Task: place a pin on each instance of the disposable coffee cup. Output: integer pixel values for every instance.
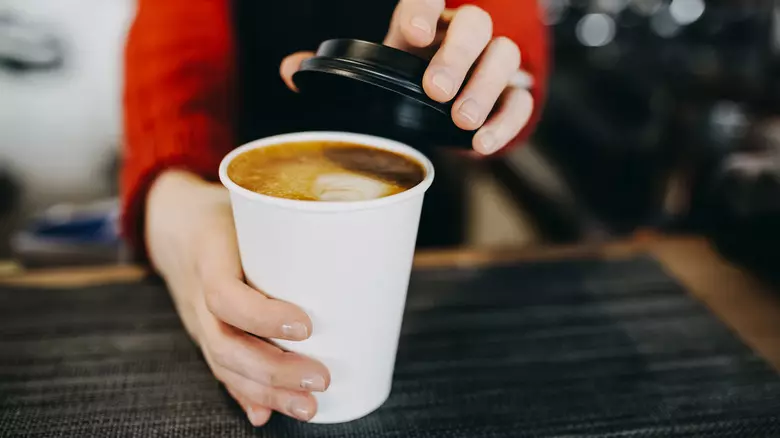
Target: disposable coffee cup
(346, 264)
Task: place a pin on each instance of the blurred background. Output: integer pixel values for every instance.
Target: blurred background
(60, 114)
(661, 116)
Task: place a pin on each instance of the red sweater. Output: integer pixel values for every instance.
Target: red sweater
(179, 79)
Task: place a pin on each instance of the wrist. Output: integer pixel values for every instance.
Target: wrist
(176, 201)
(181, 188)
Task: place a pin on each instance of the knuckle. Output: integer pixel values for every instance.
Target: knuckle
(214, 299)
(462, 53)
(487, 81)
(281, 400)
(263, 397)
(270, 378)
(270, 372)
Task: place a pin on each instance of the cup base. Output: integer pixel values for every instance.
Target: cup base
(337, 419)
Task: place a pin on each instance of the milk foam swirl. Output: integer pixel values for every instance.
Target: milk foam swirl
(348, 187)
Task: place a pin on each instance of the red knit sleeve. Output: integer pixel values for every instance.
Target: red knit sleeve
(521, 21)
(178, 97)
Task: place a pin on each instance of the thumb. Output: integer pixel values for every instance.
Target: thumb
(292, 64)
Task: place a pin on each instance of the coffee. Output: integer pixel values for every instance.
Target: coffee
(324, 171)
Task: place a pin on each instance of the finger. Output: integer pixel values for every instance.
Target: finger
(515, 108)
(498, 64)
(260, 398)
(468, 35)
(290, 65)
(257, 415)
(414, 23)
(261, 362)
(237, 304)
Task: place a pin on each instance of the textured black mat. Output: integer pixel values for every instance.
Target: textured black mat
(582, 348)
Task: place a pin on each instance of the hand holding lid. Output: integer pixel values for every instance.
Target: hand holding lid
(458, 86)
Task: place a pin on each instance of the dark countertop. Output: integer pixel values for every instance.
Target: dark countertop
(625, 338)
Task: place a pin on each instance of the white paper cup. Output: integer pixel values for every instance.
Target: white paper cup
(346, 264)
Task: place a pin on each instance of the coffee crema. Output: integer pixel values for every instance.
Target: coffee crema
(325, 171)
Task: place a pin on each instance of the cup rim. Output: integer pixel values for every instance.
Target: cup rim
(330, 206)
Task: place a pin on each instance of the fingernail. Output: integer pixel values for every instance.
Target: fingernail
(471, 111)
(421, 24)
(443, 82)
(299, 410)
(313, 383)
(295, 331)
(488, 142)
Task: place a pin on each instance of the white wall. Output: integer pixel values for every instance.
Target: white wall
(59, 130)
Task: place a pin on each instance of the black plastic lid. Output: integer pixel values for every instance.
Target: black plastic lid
(377, 89)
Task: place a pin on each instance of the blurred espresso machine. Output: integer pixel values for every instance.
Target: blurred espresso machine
(666, 114)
